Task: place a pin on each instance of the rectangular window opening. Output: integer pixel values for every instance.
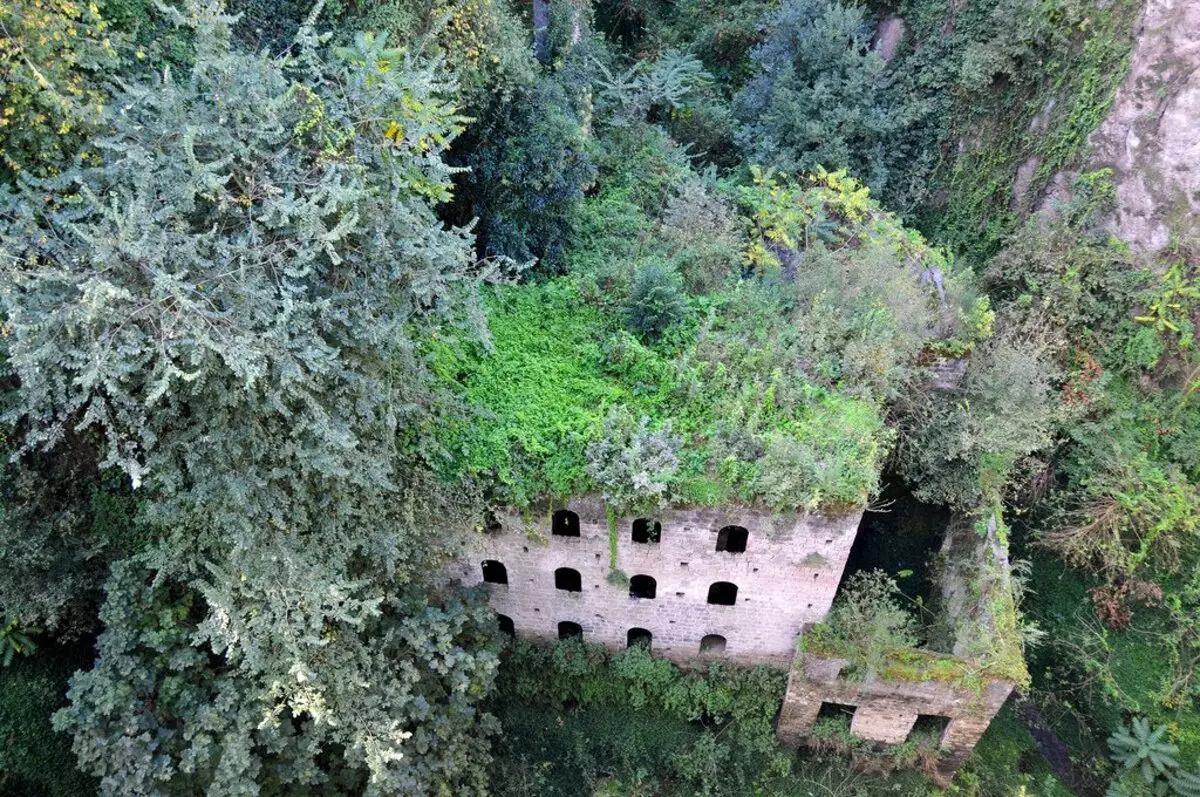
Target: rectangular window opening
(929, 729)
(836, 712)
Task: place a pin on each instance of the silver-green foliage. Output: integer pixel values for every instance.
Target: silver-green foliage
(164, 713)
(631, 463)
(231, 302)
(1150, 763)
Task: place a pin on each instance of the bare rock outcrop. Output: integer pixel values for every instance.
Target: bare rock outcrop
(888, 36)
(1151, 136)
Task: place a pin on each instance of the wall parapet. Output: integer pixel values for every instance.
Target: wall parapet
(887, 711)
(957, 692)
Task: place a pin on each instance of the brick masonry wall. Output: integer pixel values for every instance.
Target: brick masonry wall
(886, 710)
(786, 578)
(948, 373)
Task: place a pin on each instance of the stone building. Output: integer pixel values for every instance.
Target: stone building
(737, 582)
(948, 691)
(890, 711)
(746, 585)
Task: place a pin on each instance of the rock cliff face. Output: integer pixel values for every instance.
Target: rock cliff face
(1151, 137)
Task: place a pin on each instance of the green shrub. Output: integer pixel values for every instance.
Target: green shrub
(868, 622)
(632, 464)
(34, 758)
(656, 302)
(820, 95)
(685, 723)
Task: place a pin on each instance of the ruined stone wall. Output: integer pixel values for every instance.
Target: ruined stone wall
(885, 711)
(786, 578)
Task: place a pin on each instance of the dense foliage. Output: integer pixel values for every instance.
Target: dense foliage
(820, 95)
(292, 296)
(730, 751)
(206, 307)
(53, 58)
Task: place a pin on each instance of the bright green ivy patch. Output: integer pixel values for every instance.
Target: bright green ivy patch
(560, 360)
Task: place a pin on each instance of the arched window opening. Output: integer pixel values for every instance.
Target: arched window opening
(642, 587)
(494, 572)
(646, 530)
(568, 579)
(722, 593)
(639, 636)
(732, 539)
(564, 523)
(712, 645)
(506, 624)
(569, 630)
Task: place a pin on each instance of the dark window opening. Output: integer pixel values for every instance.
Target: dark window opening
(722, 593)
(494, 572)
(646, 530)
(569, 630)
(506, 624)
(639, 636)
(491, 523)
(836, 711)
(567, 579)
(928, 728)
(732, 539)
(642, 587)
(564, 523)
(712, 645)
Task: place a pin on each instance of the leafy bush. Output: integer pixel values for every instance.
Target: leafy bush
(228, 304)
(631, 464)
(703, 237)
(868, 621)
(959, 449)
(483, 44)
(212, 721)
(656, 302)
(722, 34)
(529, 167)
(649, 87)
(737, 707)
(53, 58)
(1128, 512)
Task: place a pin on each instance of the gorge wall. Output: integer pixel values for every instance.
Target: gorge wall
(1151, 135)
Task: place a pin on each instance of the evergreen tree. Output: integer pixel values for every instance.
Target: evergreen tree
(232, 302)
(820, 96)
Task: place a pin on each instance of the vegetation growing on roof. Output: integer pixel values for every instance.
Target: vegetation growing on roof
(974, 634)
(769, 389)
(560, 364)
